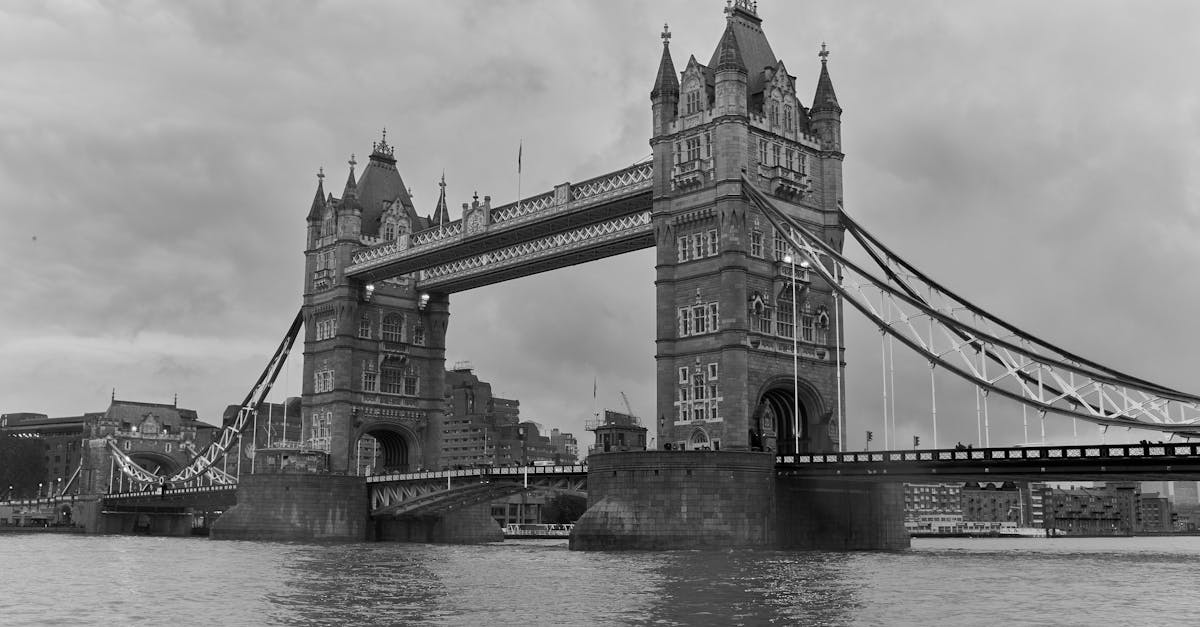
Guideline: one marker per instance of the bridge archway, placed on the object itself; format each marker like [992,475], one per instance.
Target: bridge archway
[773,425]
[159,464]
[383,447]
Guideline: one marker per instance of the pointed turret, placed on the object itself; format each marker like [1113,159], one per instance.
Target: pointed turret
[441,213]
[729,55]
[731,94]
[318,204]
[667,81]
[825,99]
[826,114]
[665,94]
[351,189]
[350,212]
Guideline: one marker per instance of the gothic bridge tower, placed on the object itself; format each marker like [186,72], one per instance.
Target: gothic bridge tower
[374,354]
[733,305]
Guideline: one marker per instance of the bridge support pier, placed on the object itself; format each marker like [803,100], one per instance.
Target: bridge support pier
[839,515]
[296,507]
[468,525]
[664,500]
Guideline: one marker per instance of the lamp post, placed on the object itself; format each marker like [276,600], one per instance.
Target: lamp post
[791,260]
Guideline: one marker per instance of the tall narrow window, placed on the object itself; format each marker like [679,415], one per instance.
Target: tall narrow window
[713,317]
[393,328]
[699,320]
[370,377]
[784,322]
[693,148]
[410,383]
[364,327]
[776,152]
[392,380]
[698,246]
[762,151]
[713,243]
[756,244]
[419,334]
[787,118]
[684,248]
[685,322]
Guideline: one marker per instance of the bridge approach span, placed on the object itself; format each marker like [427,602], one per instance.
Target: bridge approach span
[1096,462]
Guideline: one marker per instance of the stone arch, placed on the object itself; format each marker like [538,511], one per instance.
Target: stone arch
[384,447]
[160,464]
[773,421]
[699,440]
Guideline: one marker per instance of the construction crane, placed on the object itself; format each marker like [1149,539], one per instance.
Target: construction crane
[628,407]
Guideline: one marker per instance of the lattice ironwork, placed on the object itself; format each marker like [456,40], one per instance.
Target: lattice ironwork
[634,179]
[953,334]
[583,237]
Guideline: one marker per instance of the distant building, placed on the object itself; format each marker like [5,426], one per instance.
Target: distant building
[932,499]
[1104,510]
[1154,514]
[992,502]
[478,429]
[566,447]
[621,432]
[158,436]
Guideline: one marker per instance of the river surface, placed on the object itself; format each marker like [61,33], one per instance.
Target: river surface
[123,580]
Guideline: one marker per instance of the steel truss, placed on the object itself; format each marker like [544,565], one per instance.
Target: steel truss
[952,333]
[202,465]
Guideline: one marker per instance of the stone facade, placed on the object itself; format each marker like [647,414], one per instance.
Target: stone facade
[296,507]
[730,297]
[374,354]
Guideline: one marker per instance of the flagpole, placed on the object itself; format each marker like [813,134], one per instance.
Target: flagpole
[520,149]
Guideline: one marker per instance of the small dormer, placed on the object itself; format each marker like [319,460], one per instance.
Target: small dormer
[693,90]
[394,222]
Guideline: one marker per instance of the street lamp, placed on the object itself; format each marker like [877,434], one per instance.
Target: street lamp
[791,260]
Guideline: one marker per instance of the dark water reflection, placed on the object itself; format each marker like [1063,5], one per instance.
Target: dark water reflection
[149,581]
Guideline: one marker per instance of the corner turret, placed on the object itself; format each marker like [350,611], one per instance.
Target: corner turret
[350,213]
[826,113]
[665,94]
[731,95]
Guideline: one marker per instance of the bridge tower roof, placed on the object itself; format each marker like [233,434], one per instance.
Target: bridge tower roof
[381,184]
[315,213]
[667,80]
[825,99]
[745,27]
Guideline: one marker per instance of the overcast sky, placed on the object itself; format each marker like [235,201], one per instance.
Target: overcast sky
[157,161]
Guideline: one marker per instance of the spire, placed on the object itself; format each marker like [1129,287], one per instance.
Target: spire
[729,55]
[351,185]
[667,81]
[825,99]
[441,214]
[318,203]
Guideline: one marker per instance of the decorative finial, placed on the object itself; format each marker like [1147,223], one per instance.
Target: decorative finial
[384,138]
[666,35]
[824,53]
[321,174]
[443,183]
[352,162]
[476,196]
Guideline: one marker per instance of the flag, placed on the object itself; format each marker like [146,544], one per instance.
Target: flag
[520,149]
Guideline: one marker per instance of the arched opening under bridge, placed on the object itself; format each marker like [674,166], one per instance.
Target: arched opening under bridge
[381,449]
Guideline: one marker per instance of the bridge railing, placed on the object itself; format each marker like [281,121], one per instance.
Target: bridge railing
[157,491]
[1156,450]
[515,471]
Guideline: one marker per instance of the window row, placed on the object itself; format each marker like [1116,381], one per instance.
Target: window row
[698,319]
[771,154]
[326,328]
[699,245]
[322,381]
[390,379]
[392,329]
[698,396]
[693,148]
[814,328]
[319,430]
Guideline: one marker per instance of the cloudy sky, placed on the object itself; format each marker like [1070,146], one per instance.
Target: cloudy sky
[157,161]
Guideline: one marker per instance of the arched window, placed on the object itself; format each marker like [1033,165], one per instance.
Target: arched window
[699,441]
[787,118]
[389,231]
[393,328]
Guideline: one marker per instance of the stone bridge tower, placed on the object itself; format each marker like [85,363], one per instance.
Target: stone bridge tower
[730,314]
[374,354]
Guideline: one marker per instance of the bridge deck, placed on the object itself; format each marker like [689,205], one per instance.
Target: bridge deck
[1097,462]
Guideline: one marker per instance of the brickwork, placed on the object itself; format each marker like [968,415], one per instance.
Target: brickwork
[677,500]
[468,525]
[840,515]
[296,507]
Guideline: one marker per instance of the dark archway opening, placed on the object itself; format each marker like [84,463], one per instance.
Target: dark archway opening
[775,427]
[381,451]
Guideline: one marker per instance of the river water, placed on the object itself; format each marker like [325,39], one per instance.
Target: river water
[123,580]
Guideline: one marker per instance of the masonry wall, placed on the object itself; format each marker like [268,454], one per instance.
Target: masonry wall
[296,507]
[468,525]
[840,515]
[660,500]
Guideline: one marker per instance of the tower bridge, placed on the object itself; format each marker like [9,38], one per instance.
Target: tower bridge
[743,202]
